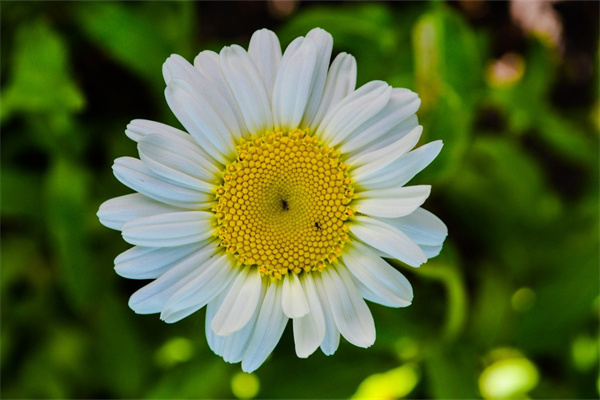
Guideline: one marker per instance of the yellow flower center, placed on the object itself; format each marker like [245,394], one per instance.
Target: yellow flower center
[284,203]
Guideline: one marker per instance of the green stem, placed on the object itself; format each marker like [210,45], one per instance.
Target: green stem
[449,276]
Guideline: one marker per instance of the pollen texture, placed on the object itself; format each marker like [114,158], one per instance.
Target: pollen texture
[283,204]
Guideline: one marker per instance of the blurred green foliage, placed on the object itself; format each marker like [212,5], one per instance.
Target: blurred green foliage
[509,309]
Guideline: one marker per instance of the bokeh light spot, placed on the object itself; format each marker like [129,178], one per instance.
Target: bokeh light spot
[508,379]
[392,384]
[245,386]
[175,351]
[506,71]
[584,351]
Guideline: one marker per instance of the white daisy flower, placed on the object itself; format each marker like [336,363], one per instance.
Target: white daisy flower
[280,202]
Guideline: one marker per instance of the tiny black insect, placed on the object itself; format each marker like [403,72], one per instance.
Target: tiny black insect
[318,226]
[284,205]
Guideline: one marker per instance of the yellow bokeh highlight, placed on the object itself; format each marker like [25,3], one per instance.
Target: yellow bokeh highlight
[584,351]
[175,351]
[283,205]
[245,386]
[393,384]
[509,378]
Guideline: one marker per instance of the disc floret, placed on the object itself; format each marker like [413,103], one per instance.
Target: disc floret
[284,203]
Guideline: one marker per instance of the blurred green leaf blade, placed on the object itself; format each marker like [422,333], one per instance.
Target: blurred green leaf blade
[40,81]
[66,197]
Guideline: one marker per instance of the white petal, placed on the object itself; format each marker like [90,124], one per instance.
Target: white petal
[215,342]
[240,303]
[139,128]
[210,279]
[390,137]
[352,111]
[171,229]
[293,84]
[368,294]
[341,81]
[232,347]
[265,51]
[207,62]
[236,344]
[331,340]
[152,297]
[248,88]
[431,251]
[392,203]
[324,45]
[422,226]
[402,104]
[215,112]
[388,239]
[363,162]
[174,161]
[309,331]
[350,312]
[403,169]
[198,117]
[115,212]
[371,163]
[295,304]
[151,262]
[268,329]
[135,175]
[377,275]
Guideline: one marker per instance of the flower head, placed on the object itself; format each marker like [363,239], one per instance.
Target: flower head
[280,202]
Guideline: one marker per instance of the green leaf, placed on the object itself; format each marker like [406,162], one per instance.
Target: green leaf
[139,35]
[352,26]
[450,121]
[568,138]
[368,31]
[522,100]
[500,186]
[202,378]
[491,313]
[53,367]
[451,372]
[121,359]
[66,197]
[448,57]
[24,201]
[566,287]
[21,261]
[40,81]
[448,65]
[529,111]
